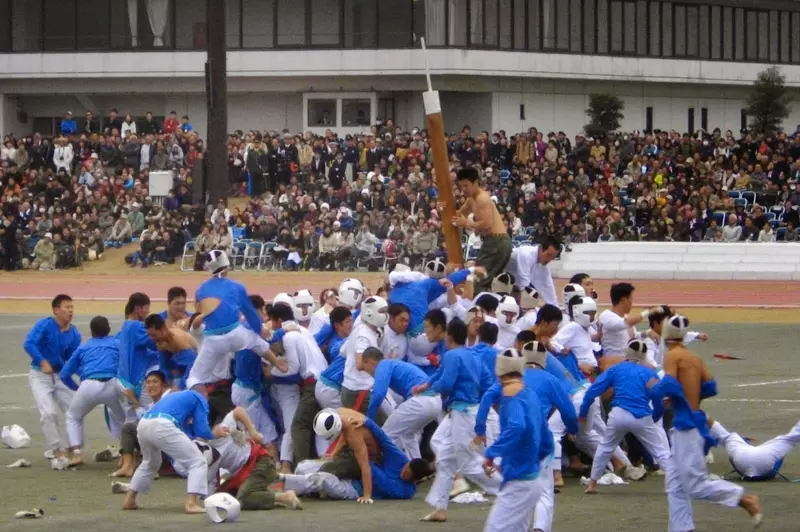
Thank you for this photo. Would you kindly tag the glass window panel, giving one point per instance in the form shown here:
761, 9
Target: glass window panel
785, 20
548, 24
291, 23
795, 37
692, 17
576, 30
655, 28
716, 32
602, 26
59, 24
535, 24
356, 113
190, 24
589, 26
562, 24
394, 21
476, 22
232, 18
617, 26
728, 33
641, 28
490, 28
258, 23
681, 30
163, 13
631, 28
26, 19
520, 29
93, 23
704, 47
773, 36
740, 35
763, 35
360, 23
5, 25
752, 36
325, 18
666, 29
435, 21
457, 17
321, 113
124, 25
506, 24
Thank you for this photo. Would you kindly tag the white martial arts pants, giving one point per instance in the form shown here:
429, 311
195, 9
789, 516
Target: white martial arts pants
50, 395
546, 505
405, 425
326, 396
758, 460
452, 444
322, 483
513, 508
157, 435
286, 397
250, 400
306, 467
213, 358
654, 439
92, 393
690, 463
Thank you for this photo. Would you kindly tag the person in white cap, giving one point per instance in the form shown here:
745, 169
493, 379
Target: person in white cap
507, 314
44, 254
357, 384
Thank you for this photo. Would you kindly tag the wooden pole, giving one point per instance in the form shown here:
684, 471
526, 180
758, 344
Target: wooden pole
441, 164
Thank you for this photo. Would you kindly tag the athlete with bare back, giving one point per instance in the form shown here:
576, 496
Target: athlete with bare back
686, 382
177, 350
495, 251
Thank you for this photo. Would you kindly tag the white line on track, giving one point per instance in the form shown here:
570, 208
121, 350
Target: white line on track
767, 383
13, 375
29, 325
756, 400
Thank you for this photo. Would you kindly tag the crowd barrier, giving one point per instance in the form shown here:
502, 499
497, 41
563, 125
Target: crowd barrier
682, 261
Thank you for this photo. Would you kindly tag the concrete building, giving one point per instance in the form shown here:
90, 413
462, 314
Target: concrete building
312, 64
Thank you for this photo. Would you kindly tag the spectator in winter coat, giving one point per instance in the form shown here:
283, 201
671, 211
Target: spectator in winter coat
732, 231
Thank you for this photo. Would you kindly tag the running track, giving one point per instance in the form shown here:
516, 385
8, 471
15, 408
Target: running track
155, 283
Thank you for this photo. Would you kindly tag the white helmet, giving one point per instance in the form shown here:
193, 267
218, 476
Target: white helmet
529, 298
507, 312
327, 424
535, 353
217, 261
303, 305
503, 283
509, 361
571, 290
675, 328
375, 311
284, 298
435, 269
636, 350
222, 507
583, 311
350, 293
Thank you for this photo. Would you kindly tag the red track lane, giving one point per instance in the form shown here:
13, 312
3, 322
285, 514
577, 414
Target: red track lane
119, 286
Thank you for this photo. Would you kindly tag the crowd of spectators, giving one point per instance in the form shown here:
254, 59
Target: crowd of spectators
327, 202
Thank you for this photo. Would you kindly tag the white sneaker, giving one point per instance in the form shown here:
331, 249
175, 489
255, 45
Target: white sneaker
59, 464
49, 455
710, 458
635, 473
459, 486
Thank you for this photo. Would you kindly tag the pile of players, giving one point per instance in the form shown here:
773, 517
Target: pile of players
368, 395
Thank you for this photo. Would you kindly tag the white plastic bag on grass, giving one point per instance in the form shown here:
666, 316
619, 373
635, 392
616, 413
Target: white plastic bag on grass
15, 437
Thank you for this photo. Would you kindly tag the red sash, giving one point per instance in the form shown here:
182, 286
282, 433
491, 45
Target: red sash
236, 481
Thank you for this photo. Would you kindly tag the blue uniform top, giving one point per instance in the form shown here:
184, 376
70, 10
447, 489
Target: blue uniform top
46, 341
233, 302
137, 353
326, 333
418, 295
98, 358
395, 375
486, 353
333, 375
570, 362
521, 436
685, 418
555, 368
247, 369
386, 481
629, 380
460, 378
183, 407
177, 365
548, 390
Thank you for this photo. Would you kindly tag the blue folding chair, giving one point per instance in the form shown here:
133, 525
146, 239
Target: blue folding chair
720, 218
735, 194
750, 196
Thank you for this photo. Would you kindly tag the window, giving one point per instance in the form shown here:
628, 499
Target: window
534, 24
5, 25
326, 16
26, 25
763, 35
476, 22
386, 109
291, 22
693, 32
59, 24
124, 25
795, 37
773, 36
562, 24
355, 113
602, 26
618, 27
623, 27
44, 125
751, 51
786, 32
394, 23
739, 34
506, 24
680, 30
258, 23
190, 24
575, 30
321, 113
433, 15
491, 30
716, 32
704, 118
548, 18
666, 29
728, 32
704, 47
641, 22
691, 121
360, 23
655, 29
520, 31
589, 27
631, 28
233, 18
92, 20
743, 119
648, 120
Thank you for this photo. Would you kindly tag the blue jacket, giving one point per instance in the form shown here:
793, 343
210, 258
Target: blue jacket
460, 379
189, 410
486, 353
69, 127
386, 481
98, 358
333, 375
137, 353
418, 295
521, 436
233, 302
629, 380
395, 375
45, 341
177, 365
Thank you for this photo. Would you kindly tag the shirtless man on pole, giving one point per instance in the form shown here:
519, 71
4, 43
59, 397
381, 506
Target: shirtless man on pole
496, 249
